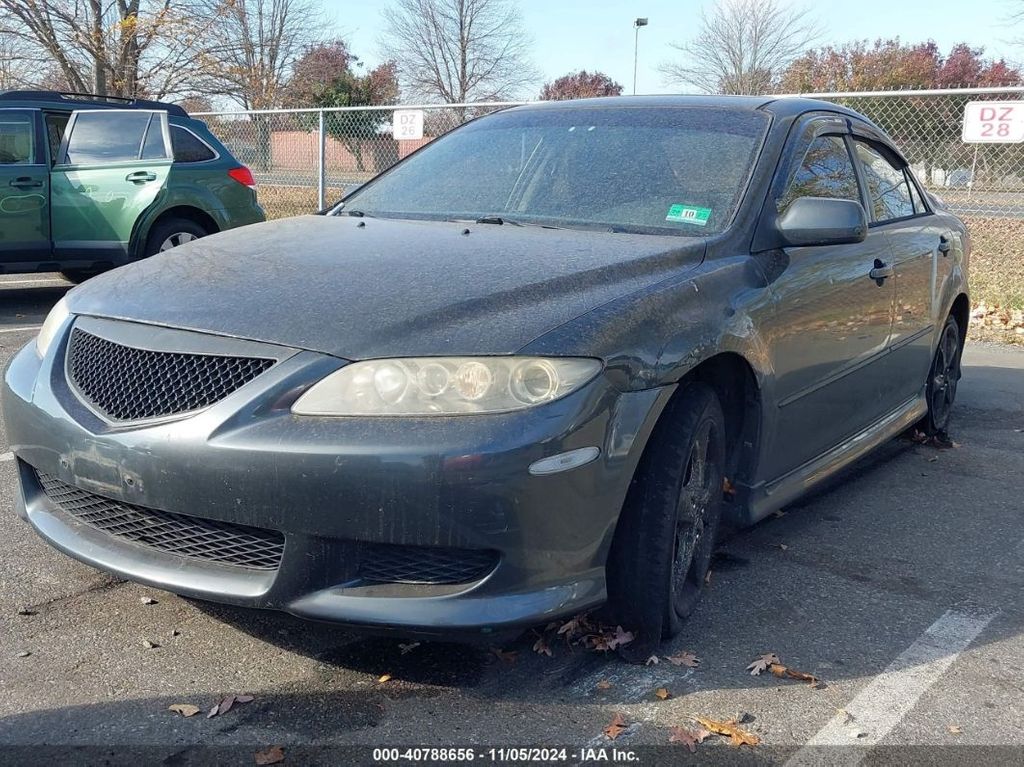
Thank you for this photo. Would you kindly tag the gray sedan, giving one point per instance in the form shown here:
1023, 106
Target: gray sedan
526, 372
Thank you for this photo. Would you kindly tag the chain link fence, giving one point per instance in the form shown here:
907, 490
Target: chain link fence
305, 158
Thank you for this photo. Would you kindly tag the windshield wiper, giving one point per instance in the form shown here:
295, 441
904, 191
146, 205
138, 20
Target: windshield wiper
492, 218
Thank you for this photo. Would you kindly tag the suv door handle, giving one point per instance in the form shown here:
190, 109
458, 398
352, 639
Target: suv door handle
881, 271
140, 177
24, 182
944, 245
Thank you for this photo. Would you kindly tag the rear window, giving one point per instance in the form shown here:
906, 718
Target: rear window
641, 169
187, 147
99, 138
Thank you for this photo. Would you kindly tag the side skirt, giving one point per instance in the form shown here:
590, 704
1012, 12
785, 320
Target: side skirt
767, 497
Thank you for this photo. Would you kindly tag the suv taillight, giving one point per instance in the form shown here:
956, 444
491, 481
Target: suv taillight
243, 176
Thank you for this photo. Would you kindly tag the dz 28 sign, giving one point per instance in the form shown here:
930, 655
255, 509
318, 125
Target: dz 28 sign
994, 122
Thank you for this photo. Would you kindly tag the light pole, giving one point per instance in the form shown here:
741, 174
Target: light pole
636, 47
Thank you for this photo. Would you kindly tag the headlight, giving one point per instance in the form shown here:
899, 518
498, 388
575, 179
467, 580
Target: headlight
445, 385
58, 314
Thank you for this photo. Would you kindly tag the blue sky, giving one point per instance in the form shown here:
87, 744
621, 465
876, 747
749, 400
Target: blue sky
574, 34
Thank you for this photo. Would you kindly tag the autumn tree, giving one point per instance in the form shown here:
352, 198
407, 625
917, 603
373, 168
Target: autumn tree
742, 47
457, 51
580, 85
329, 75
110, 47
926, 127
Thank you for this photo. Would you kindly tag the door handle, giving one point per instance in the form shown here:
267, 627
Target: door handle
944, 245
881, 271
140, 177
24, 182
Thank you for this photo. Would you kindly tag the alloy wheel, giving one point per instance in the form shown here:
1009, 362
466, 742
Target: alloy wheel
176, 239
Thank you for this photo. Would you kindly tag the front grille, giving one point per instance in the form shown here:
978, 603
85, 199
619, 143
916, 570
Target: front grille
386, 563
179, 534
129, 384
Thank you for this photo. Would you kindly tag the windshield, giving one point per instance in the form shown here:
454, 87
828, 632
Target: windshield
634, 169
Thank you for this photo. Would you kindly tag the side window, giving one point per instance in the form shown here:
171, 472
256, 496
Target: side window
153, 148
887, 185
17, 138
98, 138
188, 148
826, 171
55, 125
915, 194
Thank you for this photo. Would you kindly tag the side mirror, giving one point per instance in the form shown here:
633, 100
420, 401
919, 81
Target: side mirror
810, 221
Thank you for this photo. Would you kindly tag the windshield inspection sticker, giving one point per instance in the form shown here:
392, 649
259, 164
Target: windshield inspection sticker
688, 214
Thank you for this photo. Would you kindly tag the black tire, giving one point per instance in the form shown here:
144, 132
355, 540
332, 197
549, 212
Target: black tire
943, 378
79, 276
666, 533
172, 229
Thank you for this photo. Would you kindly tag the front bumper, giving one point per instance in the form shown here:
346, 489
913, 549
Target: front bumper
338, 489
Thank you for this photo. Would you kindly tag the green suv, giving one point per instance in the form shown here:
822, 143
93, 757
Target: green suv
88, 183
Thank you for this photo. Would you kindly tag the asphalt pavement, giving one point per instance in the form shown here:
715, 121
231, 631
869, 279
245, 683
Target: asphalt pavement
898, 586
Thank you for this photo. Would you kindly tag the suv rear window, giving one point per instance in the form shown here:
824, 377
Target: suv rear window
188, 148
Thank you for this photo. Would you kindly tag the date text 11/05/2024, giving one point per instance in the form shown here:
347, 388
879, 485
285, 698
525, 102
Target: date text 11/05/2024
506, 755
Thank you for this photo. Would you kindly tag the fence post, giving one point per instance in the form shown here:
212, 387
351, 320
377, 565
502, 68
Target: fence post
322, 163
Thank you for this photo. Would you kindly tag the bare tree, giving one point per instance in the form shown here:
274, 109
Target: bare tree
110, 47
251, 46
457, 51
742, 47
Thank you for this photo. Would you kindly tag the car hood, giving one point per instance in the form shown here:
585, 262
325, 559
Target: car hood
361, 288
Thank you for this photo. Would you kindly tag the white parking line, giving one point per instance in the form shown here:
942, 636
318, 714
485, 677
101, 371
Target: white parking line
880, 706
21, 329
41, 281
6, 456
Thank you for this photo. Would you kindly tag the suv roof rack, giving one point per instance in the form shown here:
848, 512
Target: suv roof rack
92, 99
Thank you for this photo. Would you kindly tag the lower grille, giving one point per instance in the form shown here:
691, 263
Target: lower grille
386, 563
179, 534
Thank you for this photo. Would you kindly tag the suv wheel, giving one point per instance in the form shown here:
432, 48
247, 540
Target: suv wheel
666, 533
172, 233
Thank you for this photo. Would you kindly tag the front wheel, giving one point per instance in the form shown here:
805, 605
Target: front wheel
666, 533
943, 378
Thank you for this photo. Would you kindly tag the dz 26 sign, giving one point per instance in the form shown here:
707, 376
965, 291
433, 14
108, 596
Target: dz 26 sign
994, 122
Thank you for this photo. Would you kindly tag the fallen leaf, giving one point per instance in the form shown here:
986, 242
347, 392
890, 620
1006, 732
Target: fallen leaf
541, 647
147, 600
689, 738
652, 661
226, 703
622, 637
762, 662
684, 659
24, 654
408, 648
149, 645
243, 699
954, 729
728, 489
509, 656
573, 626
615, 728
731, 729
604, 684
383, 678
185, 709
271, 755
662, 694
782, 671
933, 459
781, 546
707, 577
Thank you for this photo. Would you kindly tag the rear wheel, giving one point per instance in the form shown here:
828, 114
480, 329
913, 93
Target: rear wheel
172, 233
943, 378
666, 534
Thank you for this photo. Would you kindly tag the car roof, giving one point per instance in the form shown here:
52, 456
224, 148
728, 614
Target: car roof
84, 101
786, 106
